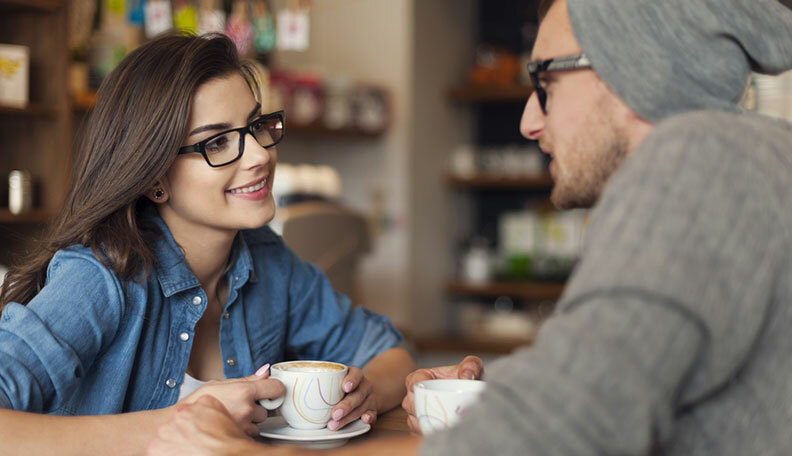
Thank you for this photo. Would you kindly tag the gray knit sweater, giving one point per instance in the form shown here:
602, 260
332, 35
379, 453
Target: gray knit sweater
674, 336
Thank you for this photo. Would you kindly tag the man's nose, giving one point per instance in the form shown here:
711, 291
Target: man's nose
532, 122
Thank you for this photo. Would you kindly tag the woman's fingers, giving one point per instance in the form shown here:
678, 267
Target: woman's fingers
351, 401
352, 380
370, 417
356, 413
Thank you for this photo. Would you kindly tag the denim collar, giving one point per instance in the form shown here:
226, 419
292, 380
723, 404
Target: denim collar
173, 273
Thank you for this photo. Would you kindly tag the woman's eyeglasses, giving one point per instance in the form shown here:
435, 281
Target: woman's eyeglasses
575, 62
226, 147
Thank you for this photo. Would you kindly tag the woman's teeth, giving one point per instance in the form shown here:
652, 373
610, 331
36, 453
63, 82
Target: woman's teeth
252, 188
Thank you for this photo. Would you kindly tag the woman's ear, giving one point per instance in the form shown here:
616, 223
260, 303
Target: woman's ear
158, 193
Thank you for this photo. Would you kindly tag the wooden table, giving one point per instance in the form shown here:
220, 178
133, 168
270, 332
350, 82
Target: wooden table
391, 424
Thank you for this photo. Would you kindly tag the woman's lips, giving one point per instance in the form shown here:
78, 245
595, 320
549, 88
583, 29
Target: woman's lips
258, 190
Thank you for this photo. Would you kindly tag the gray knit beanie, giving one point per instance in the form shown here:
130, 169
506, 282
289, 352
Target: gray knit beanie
664, 57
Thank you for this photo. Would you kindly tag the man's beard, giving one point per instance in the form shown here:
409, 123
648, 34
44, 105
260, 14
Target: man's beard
600, 148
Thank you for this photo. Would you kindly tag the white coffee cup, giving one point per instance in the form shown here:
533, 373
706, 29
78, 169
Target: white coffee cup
439, 403
312, 389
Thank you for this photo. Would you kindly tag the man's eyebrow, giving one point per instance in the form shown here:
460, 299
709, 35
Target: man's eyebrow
224, 125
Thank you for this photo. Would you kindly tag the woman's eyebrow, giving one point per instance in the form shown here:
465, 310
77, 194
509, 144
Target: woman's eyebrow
224, 125
255, 111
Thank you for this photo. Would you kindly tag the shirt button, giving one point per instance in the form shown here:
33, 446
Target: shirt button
230, 361
184, 336
170, 383
226, 315
197, 301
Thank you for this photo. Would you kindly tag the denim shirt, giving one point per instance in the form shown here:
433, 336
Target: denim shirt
89, 343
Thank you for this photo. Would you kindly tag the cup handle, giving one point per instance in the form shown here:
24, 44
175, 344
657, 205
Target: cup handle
272, 404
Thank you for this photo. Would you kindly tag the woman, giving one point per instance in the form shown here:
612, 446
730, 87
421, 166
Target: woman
159, 274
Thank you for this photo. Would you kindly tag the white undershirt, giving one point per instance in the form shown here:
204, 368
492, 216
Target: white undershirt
189, 385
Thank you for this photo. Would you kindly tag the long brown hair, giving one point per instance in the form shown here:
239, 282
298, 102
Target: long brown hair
131, 139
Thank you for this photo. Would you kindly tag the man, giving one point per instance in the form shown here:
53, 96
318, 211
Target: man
674, 334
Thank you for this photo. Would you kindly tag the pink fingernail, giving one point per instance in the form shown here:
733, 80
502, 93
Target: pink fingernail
338, 414
262, 370
332, 425
348, 386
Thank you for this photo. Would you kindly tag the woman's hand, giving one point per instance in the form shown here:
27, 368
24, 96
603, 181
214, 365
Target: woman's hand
471, 368
240, 397
203, 427
358, 402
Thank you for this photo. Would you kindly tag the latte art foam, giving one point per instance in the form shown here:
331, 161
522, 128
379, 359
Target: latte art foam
309, 366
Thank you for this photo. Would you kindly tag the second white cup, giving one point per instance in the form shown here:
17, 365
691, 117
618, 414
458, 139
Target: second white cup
312, 389
439, 403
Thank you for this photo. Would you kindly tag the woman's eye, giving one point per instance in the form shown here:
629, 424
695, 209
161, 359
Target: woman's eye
217, 144
261, 125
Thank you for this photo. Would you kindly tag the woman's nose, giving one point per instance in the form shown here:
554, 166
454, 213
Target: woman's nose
255, 155
532, 122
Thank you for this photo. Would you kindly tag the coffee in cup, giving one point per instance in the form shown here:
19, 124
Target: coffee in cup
439, 403
312, 388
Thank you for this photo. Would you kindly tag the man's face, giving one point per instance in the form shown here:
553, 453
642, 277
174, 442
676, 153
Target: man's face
584, 127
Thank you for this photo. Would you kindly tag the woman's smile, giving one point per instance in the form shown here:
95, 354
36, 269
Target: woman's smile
255, 190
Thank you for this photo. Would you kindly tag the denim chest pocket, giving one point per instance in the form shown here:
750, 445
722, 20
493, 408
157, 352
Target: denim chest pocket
267, 329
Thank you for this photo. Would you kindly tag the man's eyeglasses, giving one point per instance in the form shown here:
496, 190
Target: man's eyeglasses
226, 147
575, 62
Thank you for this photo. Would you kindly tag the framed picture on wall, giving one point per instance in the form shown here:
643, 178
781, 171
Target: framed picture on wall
14, 75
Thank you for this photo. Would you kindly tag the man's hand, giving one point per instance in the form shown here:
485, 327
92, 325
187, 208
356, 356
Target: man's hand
203, 427
471, 368
239, 397
358, 402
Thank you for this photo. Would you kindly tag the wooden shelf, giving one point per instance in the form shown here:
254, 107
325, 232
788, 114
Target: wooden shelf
34, 216
485, 94
322, 131
534, 291
36, 5
468, 344
32, 109
86, 102
541, 182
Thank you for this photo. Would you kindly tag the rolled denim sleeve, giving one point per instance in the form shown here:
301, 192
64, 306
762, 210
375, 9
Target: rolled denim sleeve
47, 345
323, 325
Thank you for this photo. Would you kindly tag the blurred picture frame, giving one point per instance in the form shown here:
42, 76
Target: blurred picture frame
14, 75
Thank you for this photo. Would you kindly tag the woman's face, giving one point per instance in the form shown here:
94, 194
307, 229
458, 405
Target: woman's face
232, 197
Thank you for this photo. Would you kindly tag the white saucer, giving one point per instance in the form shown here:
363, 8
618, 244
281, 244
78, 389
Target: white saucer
276, 428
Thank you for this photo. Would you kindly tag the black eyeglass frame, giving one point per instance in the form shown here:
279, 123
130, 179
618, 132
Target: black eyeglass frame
200, 147
573, 62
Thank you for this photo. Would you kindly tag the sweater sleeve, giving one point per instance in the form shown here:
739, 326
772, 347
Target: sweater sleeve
663, 310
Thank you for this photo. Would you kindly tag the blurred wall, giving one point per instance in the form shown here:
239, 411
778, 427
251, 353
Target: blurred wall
417, 49
443, 47
368, 41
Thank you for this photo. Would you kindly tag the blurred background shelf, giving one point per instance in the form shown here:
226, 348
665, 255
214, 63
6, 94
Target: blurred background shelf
485, 94
469, 344
84, 102
483, 181
533, 291
35, 216
35, 5
32, 109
